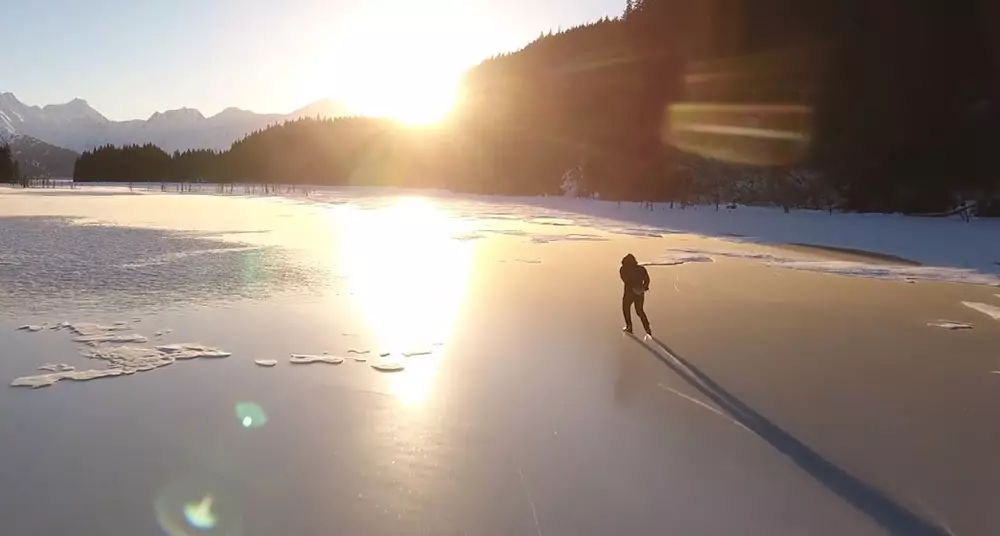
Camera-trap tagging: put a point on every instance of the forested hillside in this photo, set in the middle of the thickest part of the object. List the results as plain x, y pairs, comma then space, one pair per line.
875, 106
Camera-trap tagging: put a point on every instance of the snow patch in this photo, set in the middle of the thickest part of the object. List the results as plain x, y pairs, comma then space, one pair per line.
571, 237
678, 259
889, 272
304, 359
991, 311
45, 380
60, 367
948, 324
133, 338
191, 351
388, 366
90, 329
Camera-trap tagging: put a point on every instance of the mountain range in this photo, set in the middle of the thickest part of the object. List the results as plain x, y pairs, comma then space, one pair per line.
77, 126
37, 158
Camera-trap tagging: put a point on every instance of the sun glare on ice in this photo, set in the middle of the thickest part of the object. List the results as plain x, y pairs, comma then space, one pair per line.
407, 276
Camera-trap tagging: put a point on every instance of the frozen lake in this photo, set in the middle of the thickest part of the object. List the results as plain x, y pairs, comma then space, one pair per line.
796, 400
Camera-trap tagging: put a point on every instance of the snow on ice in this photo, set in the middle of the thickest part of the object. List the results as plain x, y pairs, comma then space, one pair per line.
948, 324
305, 359
991, 311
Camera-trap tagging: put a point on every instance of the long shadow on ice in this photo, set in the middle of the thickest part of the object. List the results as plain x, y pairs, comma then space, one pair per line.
895, 518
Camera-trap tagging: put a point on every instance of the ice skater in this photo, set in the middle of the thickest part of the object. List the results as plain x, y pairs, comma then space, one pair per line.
636, 280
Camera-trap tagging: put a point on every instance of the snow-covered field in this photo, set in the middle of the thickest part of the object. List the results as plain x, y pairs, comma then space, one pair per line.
367, 361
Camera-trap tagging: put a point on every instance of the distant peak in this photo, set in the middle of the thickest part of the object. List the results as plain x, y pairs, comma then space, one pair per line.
179, 114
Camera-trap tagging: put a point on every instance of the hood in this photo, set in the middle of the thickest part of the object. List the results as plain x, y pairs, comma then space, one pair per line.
629, 260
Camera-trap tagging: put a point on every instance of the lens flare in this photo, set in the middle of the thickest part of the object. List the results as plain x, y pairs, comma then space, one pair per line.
197, 506
200, 515
250, 415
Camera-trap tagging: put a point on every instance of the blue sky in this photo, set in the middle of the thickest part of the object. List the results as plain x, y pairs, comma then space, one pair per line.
130, 58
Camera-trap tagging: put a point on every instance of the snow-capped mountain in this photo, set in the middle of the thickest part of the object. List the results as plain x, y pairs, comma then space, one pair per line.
76, 125
37, 158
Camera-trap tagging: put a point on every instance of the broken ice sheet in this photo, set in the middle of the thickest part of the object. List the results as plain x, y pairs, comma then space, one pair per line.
134, 338
45, 380
89, 329
191, 351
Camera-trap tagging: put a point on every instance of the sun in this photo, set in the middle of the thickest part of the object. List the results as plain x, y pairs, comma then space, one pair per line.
407, 95
400, 61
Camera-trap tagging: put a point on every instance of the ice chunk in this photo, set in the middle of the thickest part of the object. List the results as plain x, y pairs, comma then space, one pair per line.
131, 357
88, 329
948, 324
418, 352
359, 358
388, 366
32, 328
121, 323
303, 359
266, 362
60, 367
45, 380
162, 332
358, 352
991, 311
191, 351
135, 337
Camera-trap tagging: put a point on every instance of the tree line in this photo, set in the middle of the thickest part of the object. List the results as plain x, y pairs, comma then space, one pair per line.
10, 171
858, 105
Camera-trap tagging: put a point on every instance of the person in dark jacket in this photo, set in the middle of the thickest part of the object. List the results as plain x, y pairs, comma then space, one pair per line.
636, 280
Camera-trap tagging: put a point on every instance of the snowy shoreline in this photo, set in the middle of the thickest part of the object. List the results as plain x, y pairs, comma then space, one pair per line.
886, 246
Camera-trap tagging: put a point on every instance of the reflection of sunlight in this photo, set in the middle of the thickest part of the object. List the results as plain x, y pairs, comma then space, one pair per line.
407, 276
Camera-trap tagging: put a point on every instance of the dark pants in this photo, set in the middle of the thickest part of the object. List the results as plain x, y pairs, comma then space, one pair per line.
629, 298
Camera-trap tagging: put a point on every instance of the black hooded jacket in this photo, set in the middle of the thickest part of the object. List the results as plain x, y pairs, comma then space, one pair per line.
633, 274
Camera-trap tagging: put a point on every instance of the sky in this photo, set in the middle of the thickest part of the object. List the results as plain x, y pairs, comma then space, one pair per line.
130, 58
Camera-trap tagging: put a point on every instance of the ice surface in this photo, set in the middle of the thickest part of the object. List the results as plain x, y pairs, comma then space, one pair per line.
991, 311
948, 324
304, 359
45, 380
133, 338
62, 264
266, 362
